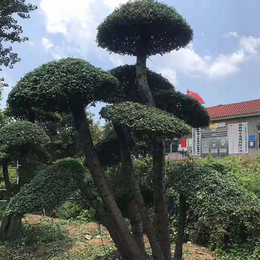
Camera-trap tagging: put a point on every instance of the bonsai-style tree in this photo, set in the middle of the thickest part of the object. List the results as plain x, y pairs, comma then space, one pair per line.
17, 139
176, 103
143, 28
142, 120
69, 85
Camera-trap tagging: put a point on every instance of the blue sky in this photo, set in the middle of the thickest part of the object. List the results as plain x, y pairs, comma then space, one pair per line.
222, 63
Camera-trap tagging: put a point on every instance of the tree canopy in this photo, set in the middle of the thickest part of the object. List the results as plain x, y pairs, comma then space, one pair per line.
10, 30
48, 188
22, 135
166, 98
60, 86
145, 120
144, 27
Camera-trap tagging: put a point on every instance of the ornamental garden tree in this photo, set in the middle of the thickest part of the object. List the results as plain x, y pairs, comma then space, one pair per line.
143, 28
142, 120
69, 85
17, 139
133, 115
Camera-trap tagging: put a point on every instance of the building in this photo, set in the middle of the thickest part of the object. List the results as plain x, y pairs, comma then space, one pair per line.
234, 130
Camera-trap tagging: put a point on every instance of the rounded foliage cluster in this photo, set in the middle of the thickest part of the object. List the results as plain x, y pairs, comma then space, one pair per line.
183, 107
23, 135
61, 85
166, 98
127, 76
144, 27
145, 120
48, 189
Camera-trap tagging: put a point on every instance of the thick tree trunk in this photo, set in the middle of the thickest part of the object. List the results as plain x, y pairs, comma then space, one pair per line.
10, 228
136, 224
160, 205
161, 213
103, 217
101, 182
8, 193
129, 176
142, 83
180, 235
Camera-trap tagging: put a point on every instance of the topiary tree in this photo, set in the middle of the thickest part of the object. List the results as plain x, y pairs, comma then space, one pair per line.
176, 103
17, 139
141, 120
69, 85
143, 28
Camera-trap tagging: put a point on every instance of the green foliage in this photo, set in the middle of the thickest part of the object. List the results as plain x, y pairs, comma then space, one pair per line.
144, 27
48, 189
221, 212
23, 135
143, 170
245, 170
76, 211
47, 232
61, 86
10, 29
166, 98
186, 108
145, 120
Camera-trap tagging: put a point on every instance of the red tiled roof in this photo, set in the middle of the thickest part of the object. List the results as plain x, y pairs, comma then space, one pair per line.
243, 108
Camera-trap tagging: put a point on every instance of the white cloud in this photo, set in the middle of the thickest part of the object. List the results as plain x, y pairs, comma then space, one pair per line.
233, 34
170, 74
77, 24
226, 65
55, 51
250, 44
112, 4
190, 62
47, 44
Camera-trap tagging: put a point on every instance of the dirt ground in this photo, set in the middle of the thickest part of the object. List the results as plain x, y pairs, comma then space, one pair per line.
55, 239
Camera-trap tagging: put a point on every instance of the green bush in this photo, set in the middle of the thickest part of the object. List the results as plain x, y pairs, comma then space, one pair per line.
76, 211
222, 212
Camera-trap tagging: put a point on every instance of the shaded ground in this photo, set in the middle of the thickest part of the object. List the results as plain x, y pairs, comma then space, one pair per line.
55, 239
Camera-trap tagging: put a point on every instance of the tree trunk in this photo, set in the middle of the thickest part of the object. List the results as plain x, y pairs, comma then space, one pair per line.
129, 176
14, 229
142, 83
161, 213
136, 224
180, 235
101, 182
10, 228
103, 217
160, 205
8, 193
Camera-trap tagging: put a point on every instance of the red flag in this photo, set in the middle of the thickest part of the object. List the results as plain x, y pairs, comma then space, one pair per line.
183, 142
196, 96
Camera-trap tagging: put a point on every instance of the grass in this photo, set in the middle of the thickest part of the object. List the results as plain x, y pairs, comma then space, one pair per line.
55, 239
